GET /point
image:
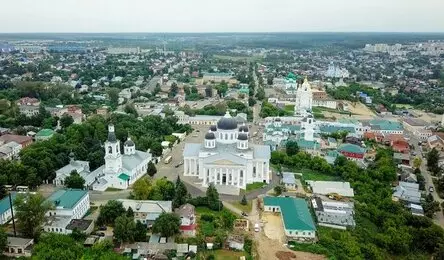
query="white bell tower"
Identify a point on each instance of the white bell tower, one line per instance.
(113, 157)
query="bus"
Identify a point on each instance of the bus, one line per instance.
(168, 159)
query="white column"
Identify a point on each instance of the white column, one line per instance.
(195, 167)
(185, 165)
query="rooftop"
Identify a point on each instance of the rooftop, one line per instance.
(45, 132)
(66, 199)
(4, 203)
(351, 148)
(326, 187)
(381, 124)
(80, 224)
(295, 213)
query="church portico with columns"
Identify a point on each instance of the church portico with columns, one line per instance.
(226, 158)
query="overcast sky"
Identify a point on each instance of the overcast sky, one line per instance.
(221, 16)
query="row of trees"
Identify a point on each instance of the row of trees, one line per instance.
(40, 160)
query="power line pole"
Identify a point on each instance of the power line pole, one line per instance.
(12, 213)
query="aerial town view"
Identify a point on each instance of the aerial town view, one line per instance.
(238, 130)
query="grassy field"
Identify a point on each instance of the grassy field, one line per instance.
(406, 106)
(244, 208)
(289, 108)
(308, 174)
(221, 254)
(238, 58)
(254, 186)
(112, 189)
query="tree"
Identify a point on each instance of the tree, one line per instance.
(113, 94)
(109, 212)
(278, 190)
(124, 229)
(167, 224)
(227, 218)
(151, 170)
(292, 148)
(213, 198)
(3, 238)
(251, 101)
(140, 235)
(432, 161)
(173, 90)
(260, 94)
(181, 194)
(156, 149)
(66, 120)
(244, 200)
(142, 189)
(130, 212)
(53, 246)
(417, 162)
(74, 181)
(102, 251)
(30, 210)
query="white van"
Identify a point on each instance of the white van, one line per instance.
(256, 227)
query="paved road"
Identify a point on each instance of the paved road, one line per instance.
(439, 217)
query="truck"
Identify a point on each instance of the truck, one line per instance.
(168, 159)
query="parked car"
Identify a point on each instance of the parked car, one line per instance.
(256, 227)
(431, 189)
(244, 214)
(102, 228)
(100, 234)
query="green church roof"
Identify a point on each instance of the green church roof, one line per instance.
(294, 212)
(4, 203)
(124, 177)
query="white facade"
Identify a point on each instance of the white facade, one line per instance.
(304, 99)
(120, 170)
(226, 157)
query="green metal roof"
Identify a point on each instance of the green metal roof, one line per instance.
(294, 212)
(66, 198)
(351, 148)
(124, 177)
(45, 132)
(332, 129)
(304, 144)
(385, 124)
(4, 203)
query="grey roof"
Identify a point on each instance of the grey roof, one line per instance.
(262, 152)
(242, 137)
(210, 136)
(153, 208)
(133, 160)
(185, 210)
(17, 241)
(243, 128)
(213, 128)
(407, 191)
(227, 123)
(288, 178)
(326, 187)
(76, 165)
(191, 150)
(129, 142)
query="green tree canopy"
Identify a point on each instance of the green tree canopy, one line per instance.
(74, 181)
(30, 210)
(109, 212)
(124, 229)
(167, 224)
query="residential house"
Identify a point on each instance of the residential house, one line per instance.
(329, 187)
(5, 209)
(236, 242)
(187, 216)
(435, 141)
(383, 126)
(18, 247)
(68, 204)
(408, 192)
(23, 140)
(334, 213)
(85, 226)
(352, 151)
(289, 181)
(401, 158)
(416, 209)
(295, 215)
(147, 211)
(10, 150)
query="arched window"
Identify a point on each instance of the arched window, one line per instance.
(241, 173)
(110, 149)
(232, 136)
(226, 136)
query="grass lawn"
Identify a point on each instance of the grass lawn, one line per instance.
(244, 208)
(91, 210)
(221, 254)
(406, 106)
(254, 186)
(308, 174)
(289, 108)
(204, 210)
(112, 189)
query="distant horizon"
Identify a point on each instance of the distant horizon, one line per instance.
(235, 32)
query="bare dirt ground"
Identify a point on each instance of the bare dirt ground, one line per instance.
(428, 117)
(360, 109)
(270, 243)
(273, 227)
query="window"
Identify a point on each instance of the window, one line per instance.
(110, 149)
(303, 233)
(226, 136)
(241, 173)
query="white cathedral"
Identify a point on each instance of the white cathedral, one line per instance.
(226, 157)
(120, 170)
